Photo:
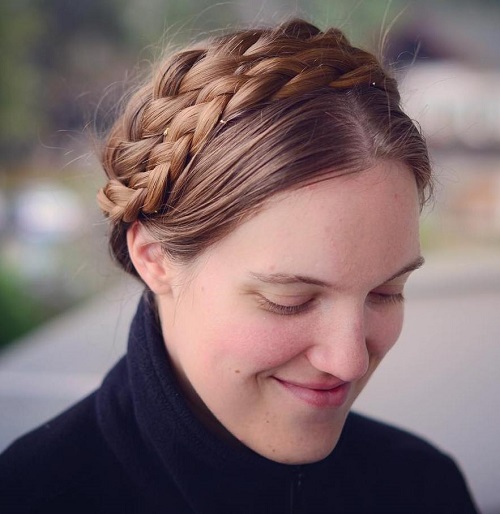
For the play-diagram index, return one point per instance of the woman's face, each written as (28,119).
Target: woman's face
(275,330)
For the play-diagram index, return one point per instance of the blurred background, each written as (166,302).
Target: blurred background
(63,68)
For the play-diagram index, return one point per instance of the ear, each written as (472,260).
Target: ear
(148,259)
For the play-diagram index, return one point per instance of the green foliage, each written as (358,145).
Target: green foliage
(19,312)
(20,113)
(51,53)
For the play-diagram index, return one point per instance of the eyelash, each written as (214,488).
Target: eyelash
(291,310)
(285,310)
(381,299)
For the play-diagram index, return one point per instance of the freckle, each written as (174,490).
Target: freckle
(236,370)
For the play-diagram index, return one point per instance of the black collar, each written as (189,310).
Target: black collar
(169,453)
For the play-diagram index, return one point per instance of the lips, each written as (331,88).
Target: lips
(317,394)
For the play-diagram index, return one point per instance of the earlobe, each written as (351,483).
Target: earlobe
(148,259)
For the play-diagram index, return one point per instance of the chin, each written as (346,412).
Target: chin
(307,451)
(307,457)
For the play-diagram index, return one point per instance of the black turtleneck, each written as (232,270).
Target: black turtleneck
(135,446)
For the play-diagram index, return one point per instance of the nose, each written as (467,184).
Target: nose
(340,347)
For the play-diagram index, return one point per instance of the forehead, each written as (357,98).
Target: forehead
(363,220)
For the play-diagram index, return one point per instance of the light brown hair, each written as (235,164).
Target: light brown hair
(224,126)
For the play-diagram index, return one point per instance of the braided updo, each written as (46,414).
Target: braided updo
(224,126)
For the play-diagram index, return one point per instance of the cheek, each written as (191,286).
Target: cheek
(384,329)
(253,345)
(232,334)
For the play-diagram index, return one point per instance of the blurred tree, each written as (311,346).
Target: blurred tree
(149,22)
(20,113)
(53,52)
(58,57)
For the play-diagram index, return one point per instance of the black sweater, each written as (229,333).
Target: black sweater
(135,446)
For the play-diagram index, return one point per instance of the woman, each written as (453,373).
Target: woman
(265,186)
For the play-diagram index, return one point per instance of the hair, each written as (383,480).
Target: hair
(223,126)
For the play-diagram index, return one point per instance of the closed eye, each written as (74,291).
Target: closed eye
(385,298)
(284,310)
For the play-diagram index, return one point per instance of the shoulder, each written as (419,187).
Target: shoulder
(66,433)
(383,437)
(373,441)
(64,458)
(402,467)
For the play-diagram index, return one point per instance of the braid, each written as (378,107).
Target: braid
(224,126)
(149,150)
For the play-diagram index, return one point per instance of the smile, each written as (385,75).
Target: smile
(317,395)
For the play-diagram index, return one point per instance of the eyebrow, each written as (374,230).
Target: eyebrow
(414,265)
(287,278)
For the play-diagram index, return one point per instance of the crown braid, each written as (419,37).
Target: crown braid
(149,150)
